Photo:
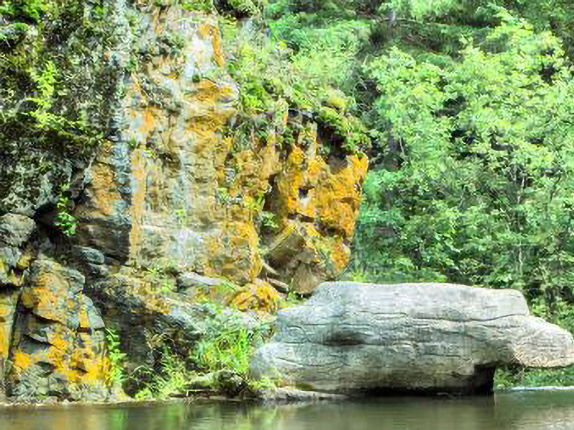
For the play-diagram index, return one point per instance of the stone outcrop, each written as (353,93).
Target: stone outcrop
(57,345)
(354,337)
(167,191)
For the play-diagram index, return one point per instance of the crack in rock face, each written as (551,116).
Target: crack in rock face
(356,338)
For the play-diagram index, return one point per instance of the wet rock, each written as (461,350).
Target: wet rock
(351,338)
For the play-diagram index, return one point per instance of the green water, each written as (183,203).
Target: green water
(508,411)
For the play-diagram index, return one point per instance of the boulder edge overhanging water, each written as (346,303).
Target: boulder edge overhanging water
(366,338)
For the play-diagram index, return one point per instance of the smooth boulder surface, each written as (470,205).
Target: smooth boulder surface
(352,337)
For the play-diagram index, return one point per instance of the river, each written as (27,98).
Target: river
(508,411)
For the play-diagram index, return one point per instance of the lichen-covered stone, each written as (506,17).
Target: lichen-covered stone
(58,346)
(317,203)
(145,317)
(143,152)
(421,337)
(15,231)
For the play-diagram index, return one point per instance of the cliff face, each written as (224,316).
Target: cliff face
(165,192)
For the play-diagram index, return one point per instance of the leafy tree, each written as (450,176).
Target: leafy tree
(478,182)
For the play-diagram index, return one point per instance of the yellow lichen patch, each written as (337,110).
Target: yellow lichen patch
(8,301)
(89,359)
(257,296)
(16,278)
(48,297)
(268,160)
(103,193)
(297,183)
(25,259)
(21,361)
(83,318)
(209,31)
(317,204)
(4,343)
(339,195)
(235,253)
(149,122)
(59,352)
(138,200)
(336,251)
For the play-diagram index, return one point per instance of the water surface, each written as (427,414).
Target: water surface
(505,411)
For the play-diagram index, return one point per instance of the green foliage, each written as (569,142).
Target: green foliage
(477,183)
(228,343)
(276,83)
(199,5)
(224,349)
(239,8)
(116,374)
(45,81)
(269,220)
(27,10)
(171,379)
(292,299)
(64,219)
(161,275)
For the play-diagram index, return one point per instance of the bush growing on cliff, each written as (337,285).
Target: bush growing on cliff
(115,374)
(27,10)
(228,342)
(276,82)
(218,362)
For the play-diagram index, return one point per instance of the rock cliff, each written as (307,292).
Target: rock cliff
(120,176)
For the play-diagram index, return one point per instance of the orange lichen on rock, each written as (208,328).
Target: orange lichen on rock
(55,331)
(88,359)
(209,31)
(339,195)
(235,253)
(317,203)
(257,296)
(8,301)
(297,183)
(21,361)
(103,193)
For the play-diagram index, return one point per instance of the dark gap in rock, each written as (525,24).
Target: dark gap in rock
(47,368)
(330,231)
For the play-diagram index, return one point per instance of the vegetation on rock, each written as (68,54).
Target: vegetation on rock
(144,136)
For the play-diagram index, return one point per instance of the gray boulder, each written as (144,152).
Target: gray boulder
(351,338)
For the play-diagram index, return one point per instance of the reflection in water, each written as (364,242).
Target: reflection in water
(510,411)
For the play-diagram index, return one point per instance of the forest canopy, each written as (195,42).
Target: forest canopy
(468,109)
